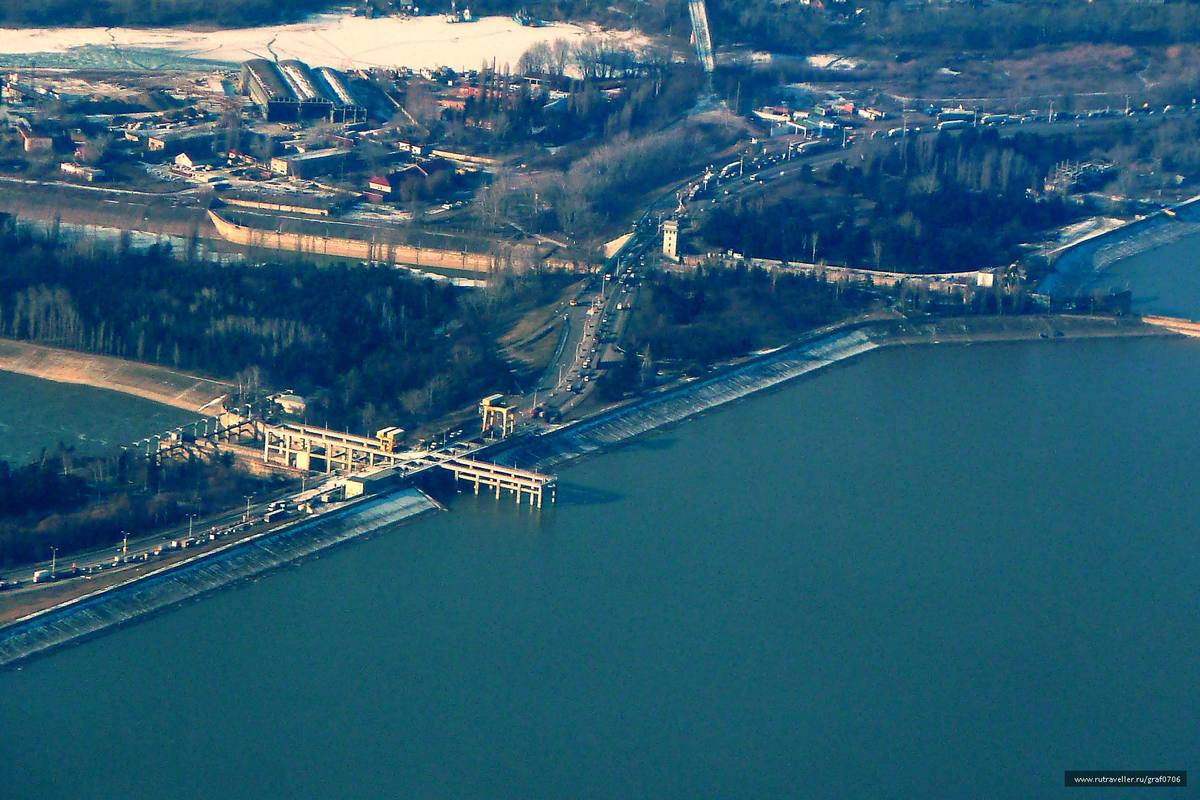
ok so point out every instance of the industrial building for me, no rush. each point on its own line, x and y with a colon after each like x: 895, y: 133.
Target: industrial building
x: 289, y: 92
x: 89, y: 174
x: 312, y: 103
x: 346, y: 107
x: 263, y: 82
x: 307, y: 165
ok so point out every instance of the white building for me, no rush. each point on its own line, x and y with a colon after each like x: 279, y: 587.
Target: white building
x: 670, y: 230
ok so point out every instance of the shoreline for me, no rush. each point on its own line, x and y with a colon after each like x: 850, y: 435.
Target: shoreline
x: 148, y: 381
x: 825, y: 347
x: 1081, y: 262
x: 92, y: 613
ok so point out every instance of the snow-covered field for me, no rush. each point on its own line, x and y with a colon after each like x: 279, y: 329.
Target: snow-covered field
x: 334, y: 40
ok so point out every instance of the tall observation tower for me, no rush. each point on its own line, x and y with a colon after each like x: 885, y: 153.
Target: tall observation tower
x: 700, y: 34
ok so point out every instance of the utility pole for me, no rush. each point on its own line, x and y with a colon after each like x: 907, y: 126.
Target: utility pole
x: 247, y: 496
x: 124, y: 547
x: 53, y: 561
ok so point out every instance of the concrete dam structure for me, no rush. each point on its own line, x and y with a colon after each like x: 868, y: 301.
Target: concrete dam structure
x: 681, y: 402
x: 92, y: 614
x: 1185, y: 326
x: 517, y: 257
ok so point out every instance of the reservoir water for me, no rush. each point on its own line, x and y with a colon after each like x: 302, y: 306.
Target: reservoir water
x: 36, y: 414
x: 928, y: 572
x: 1164, y: 280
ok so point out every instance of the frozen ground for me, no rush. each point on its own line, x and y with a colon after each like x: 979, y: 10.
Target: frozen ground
x: 340, y: 41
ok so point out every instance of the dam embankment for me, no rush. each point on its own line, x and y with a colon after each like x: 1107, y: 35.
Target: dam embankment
x: 1080, y: 262
x: 87, y: 616
x: 676, y: 404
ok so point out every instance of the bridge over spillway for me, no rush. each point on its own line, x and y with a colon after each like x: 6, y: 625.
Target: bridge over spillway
x: 498, y: 477
x: 322, y: 450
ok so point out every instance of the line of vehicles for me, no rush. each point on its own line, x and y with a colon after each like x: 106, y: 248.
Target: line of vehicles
x: 613, y: 293
x: 963, y: 118
x: 275, y: 512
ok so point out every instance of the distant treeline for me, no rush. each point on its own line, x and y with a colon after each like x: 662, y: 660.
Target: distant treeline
x: 713, y: 314
x: 366, y: 345
x: 105, y: 13
x: 1034, y: 23
x: 764, y: 24
x: 951, y: 203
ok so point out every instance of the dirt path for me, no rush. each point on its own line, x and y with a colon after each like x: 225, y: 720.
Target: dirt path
x: 143, y: 380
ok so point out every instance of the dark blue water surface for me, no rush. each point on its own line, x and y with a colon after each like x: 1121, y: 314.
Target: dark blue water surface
x: 930, y: 572
x: 37, y: 414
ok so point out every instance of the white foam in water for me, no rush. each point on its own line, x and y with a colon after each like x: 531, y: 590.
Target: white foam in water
x: 86, y: 616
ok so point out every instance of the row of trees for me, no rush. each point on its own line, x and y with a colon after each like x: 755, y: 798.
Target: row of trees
x: 79, y: 504
x: 717, y: 313
x: 593, y: 57
x: 765, y: 24
x: 582, y: 196
x: 1033, y: 23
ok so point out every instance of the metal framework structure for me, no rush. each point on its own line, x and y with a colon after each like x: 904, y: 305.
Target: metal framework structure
x: 498, y: 415
x: 321, y: 450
